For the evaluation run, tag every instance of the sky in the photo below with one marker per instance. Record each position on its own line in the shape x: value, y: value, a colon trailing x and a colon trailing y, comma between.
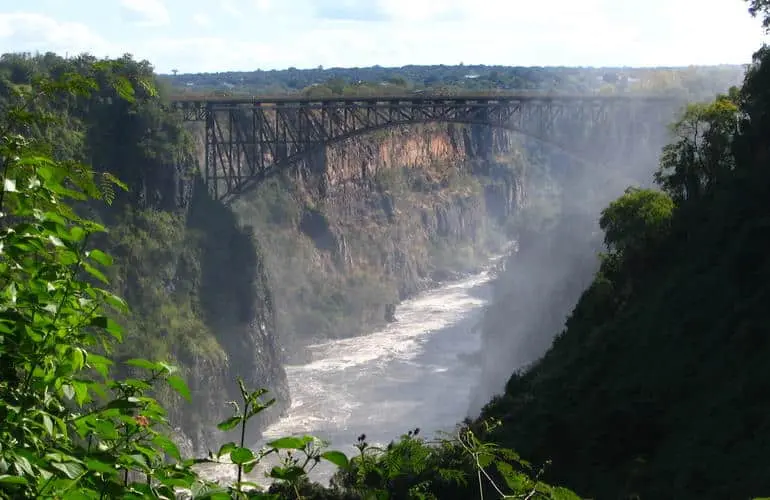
x: 245, y: 35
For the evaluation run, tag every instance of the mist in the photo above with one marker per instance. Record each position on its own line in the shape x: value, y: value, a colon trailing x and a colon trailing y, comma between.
x: 559, y: 244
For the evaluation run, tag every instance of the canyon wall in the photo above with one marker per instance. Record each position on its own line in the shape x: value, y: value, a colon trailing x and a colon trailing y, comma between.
x: 349, y: 232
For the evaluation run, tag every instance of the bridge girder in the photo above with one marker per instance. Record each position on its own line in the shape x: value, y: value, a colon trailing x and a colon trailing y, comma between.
x: 248, y: 140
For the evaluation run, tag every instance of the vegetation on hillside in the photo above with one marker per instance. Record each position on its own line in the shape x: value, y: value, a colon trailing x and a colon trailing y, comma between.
x: 692, y: 82
x: 165, y: 234
x: 657, y: 386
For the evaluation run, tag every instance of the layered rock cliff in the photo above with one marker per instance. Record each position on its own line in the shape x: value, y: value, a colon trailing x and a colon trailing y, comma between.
x: 368, y: 222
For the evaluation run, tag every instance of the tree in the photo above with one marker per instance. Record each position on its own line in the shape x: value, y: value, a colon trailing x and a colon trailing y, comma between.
x: 337, y: 85
x: 701, y: 152
x: 636, y: 221
x: 318, y: 92
x: 397, y: 80
x: 752, y: 147
x: 762, y: 8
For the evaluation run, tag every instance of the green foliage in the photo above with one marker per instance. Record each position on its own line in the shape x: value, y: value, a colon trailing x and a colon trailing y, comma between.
x: 696, y: 82
x: 656, y: 388
x: 760, y: 8
x: 69, y: 429
x: 165, y: 235
x: 153, y: 248
x: 701, y: 154
x: 636, y: 221
x: 456, y: 466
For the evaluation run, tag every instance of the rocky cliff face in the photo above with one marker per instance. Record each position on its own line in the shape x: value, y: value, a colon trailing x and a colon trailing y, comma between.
x: 237, y: 306
x: 198, y: 290
x: 375, y: 219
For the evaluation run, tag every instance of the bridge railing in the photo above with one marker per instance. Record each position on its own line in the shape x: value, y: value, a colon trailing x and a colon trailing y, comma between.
x: 181, y: 99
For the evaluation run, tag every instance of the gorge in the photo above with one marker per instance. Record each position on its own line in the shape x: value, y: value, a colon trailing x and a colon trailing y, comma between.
x: 293, y: 286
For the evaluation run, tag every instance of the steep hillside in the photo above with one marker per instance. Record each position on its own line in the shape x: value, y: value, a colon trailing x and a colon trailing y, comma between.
x: 558, y: 240
x: 192, y: 276
x: 658, y: 386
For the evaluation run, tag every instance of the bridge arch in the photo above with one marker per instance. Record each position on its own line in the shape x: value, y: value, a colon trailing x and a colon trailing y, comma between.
x: 248, y: 141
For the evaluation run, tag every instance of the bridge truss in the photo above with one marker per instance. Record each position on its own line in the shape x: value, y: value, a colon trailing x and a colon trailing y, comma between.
x: 248, y: 140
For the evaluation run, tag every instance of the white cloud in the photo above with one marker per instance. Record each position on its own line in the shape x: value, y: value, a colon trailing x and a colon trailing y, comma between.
x: 263, y: 5
x: 152, y: 12
x: 203, y: 54
x: 230, y: 8
x: 201, y: 19
x: 418, y: 10
x: 250, y: 34
x: 31, y: 32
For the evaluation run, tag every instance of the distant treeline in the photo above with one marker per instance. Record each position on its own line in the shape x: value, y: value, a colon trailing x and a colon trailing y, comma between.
x: 697, y: 82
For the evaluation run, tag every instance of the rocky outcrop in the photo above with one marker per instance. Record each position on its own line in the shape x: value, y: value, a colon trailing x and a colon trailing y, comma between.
x: 197, y: 286
x: 237, y: 305
x: 371, y: 221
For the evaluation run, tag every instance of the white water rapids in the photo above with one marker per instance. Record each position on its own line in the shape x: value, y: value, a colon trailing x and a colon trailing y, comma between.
x: 416, y: 372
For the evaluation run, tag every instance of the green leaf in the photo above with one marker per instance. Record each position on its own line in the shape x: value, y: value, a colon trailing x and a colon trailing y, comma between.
x: 81, y: 391
x: 77, y: 233
x: 109, y: 325
x: 485, y: 459
x: 113, y: 300
x: 8, y: 479
x: 77, y: 358
x: 78, y: 495
x: 56, y: 241
x: 23, y: 466
x: 291, y: 443
x: 136, y: 459
x: 121, y: 404
x: 70, y: 469
x: 98, y: 363
x: 101, y: 467
x: 290, y: 474
x: 229, y: 424
x: 48, y: 424
x: 214, y: 495
x: 225, y: 449
x: 106, y: 429
x: 180, y: 386
x: 241, y: 455
x: 249, y: 466
x: 68, y: 391
x: 336, y: 457
x: 143, y: 364
x: 95, y: 273
x: 100, y: 257
x: 167, y: 446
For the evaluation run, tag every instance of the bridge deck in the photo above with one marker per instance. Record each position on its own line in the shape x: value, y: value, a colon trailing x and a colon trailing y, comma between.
x: 249, y: 138
x: 417, y: 98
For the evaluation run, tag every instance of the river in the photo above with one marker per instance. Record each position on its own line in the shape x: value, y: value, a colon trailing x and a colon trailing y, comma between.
x: 416, y: 372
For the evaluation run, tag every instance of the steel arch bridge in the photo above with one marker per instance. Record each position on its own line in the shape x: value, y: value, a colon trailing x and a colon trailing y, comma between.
x: 247, y: 140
